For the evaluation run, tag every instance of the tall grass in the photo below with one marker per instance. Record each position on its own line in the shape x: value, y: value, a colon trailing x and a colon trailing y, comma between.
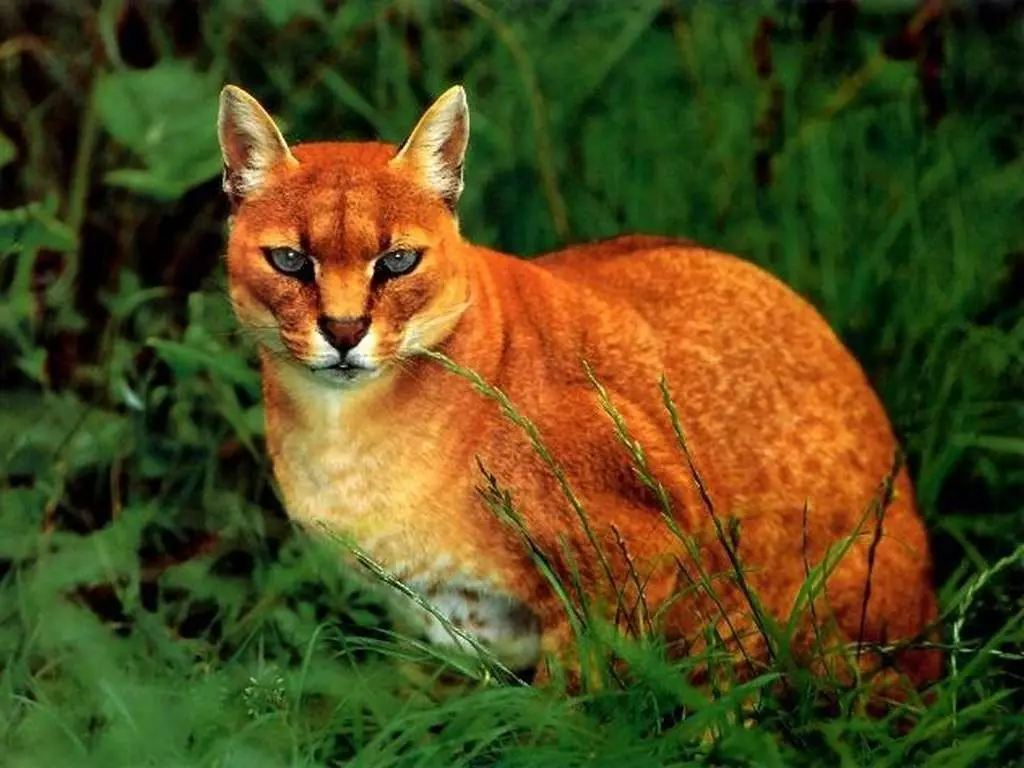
x: 156, y: 607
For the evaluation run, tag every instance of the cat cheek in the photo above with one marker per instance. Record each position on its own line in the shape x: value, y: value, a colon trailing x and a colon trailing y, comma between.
x: 295, y: 308
x: 414, y: 296
x: 249, y: 308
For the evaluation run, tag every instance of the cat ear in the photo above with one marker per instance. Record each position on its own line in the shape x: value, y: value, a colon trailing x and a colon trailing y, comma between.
x: 436, y: 148
x: 250, y: 143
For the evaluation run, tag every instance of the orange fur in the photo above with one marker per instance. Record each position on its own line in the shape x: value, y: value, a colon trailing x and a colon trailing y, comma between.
x: 777, y: 412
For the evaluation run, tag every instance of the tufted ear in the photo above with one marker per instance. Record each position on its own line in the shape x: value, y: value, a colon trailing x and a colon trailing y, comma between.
x: 436, y: 149
x: 250, y: 143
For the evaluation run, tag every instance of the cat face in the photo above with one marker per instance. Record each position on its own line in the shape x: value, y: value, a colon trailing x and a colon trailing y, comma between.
x: 343, y: 258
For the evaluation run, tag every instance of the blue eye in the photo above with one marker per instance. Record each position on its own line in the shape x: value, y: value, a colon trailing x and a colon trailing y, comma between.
x: 290, y: 262
x: 396, y: 263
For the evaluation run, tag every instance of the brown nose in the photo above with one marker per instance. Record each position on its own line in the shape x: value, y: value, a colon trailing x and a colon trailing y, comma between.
x: 343, y: 333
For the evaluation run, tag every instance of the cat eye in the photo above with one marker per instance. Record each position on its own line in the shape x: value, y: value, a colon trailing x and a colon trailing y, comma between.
x: 291, y: 262
x: 396, y: 263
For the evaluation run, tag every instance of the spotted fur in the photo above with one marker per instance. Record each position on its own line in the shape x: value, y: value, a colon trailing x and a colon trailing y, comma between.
x: 789, y: 438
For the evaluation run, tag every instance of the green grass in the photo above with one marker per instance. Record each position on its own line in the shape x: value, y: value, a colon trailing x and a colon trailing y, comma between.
x: 155, y: 606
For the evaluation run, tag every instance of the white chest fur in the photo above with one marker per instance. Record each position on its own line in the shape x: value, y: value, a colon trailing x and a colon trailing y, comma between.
x: 506, y: 627
x: 334, y: 479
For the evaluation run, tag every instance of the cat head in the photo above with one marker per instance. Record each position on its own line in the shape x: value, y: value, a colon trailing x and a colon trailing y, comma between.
x: 343, y: 257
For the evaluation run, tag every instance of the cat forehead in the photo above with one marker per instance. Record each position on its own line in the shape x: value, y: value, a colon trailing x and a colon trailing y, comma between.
x: 335, y: 182
x: 336, y: 175
x: 362, y: 154
x: 339, y: 199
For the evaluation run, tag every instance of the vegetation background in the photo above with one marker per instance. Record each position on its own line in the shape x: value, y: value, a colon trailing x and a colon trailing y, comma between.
x: 155, y: 607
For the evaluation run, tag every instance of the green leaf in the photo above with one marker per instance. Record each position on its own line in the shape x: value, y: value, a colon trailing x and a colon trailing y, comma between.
x: 995, y: 443
x: 145, y: 182
x: 167, y: 116
x: 7, y: 150
x: 280, y: 12
x: 34, y: 226
x: 33, y: 364
x: 50, y: 432
x: 21, y: 521
x: 189, y: 360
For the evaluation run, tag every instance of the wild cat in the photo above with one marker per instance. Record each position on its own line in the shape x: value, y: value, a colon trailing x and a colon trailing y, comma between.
x: 346, y: 261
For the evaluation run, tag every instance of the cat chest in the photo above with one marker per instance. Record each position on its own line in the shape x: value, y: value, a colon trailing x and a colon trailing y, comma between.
x: 411, y: 522
x: 396, y: 500
x: 370, y: 495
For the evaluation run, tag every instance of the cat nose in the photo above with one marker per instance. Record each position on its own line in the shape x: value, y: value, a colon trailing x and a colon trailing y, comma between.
x: 343, y: 333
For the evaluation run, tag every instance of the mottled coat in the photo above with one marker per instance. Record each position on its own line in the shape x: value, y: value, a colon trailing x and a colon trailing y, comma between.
x: 376, y: 440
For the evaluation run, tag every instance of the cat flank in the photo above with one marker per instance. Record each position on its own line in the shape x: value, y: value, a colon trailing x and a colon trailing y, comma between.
x: 347, y: 265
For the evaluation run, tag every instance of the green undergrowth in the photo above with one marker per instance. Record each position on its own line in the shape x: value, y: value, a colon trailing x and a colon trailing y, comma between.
x: 156, y: 608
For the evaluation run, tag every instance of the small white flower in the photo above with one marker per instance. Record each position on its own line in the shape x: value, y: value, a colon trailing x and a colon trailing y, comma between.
x: 265, y: 694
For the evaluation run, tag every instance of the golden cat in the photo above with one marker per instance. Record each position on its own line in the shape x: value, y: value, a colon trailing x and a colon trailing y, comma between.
x: 346, y: 262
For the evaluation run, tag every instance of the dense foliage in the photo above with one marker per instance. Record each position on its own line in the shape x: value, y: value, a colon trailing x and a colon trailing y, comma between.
x: 156, y: 608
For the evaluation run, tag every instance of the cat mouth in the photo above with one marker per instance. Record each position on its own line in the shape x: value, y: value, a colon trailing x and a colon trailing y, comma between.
x: 343, y: 371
